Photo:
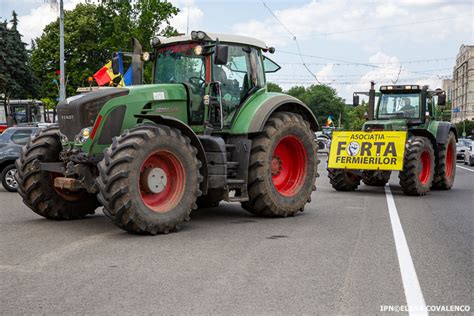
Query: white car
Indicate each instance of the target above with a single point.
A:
(469, 154)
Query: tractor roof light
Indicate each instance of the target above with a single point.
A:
(155, 41)
(198, 35)
(408, 87)
(146, 56)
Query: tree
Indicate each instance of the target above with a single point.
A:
(92, 34)
(355, 117)
(322, 100)
(16, 78)
(273, 87)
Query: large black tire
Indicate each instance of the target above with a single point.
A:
(283, 130)
(342, 180)
(445, 171)
(417, 175)
(129, 202)
(36, 186)
(9, 178)
(376, 178)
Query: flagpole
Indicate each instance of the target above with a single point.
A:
(62, 86)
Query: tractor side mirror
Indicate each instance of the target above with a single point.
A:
(221, 54)
(442, 99)
(116, 64)
(355, 100)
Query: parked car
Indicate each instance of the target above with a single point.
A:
(11, 141)
(461, 147)
(469, 154)
(322, 142)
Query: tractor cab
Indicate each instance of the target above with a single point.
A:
(400, 107)
(219, 73)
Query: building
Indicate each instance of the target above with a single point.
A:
(447, 86)
(463, 85)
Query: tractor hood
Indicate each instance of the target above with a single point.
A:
(385, 125)
(81, 111)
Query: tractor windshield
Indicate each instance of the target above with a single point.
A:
(179, 64)
(399, 106)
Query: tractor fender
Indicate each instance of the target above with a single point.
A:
(443, 131)
(185, 130)
(281, 102)
(425, 133)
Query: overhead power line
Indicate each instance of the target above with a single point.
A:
(294, 39)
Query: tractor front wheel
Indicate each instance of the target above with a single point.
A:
(446, 165)
(418, 166)
(283, 167)
(149, 179)
(342, 180)
(36, 186)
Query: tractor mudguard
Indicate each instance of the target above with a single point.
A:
(443, 130)
(255, 113)
(186, 130)
(281, 103)
(425, 133)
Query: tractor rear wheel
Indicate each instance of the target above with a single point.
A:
(446, 164)
(376, 178)
(283, 167)
(342, 180)
(149, 179)
(417, 175)
(36, 186)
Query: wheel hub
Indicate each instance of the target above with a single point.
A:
(276, 166)
(155, 180)
(10, 178)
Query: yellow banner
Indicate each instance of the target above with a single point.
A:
(382, 150)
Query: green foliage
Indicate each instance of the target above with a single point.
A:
(16, 78)
(467, 126)
(92, 34)
(355, 117)
(273, 87)
(322, 100)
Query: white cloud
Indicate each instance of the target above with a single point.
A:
(363, 22)
(31, 25)
(188, 9)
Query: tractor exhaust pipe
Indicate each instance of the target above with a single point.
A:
(137, 64)
(371, 105)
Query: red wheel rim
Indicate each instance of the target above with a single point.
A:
(289, 166)
(449, 160)
(164, 195)
(425, 172)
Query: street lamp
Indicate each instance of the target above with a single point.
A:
(62, 86)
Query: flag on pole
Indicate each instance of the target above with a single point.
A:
(105, 74)
(329, 121)
(127, 78)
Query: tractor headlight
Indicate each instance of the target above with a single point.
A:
(83, 136)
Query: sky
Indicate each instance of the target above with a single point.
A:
(342, 43)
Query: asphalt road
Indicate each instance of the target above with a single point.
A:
(339, 256)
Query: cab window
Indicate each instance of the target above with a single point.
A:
(242, 75)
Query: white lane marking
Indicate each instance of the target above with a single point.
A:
(411, 285)
(472, 170)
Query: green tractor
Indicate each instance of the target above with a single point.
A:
(206, 130)
(429, 161)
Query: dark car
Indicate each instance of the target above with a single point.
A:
(11, 141)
